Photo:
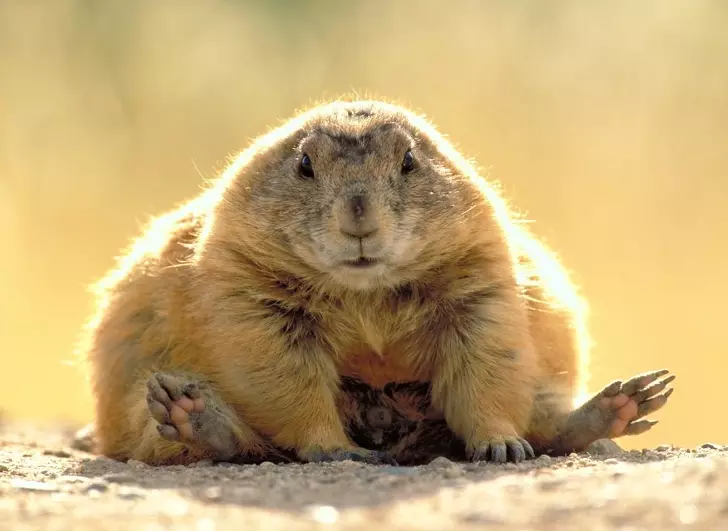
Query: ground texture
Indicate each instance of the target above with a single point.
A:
(46, 484)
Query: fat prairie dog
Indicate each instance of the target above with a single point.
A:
(354, 242)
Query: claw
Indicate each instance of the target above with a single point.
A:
(653, 404)
(636, 383)
(639, 426)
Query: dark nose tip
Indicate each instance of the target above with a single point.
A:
(360, 220)
(379, 418)
(358, 206)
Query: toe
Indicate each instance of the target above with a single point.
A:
(530, 454)
(623, 416)
(157, 392)
(158, 411)
(498, 452)
(191, 389)
(171, 384)
(638, 427)
(168, 432)
(178, 415)
(614, 402)
(612, 389)
(652, 389)
(636, 383)
(626, 409)
(480, 453)
(653, 404)
(199, 405)
(516, 451)
(186, 403)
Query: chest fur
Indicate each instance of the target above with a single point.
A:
(377, 369)
(380, 351)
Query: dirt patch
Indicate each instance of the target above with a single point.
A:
(45, 484)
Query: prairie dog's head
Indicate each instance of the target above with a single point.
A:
(360, 192)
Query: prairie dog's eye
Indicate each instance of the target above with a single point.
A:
(408, 163)
(306, 168)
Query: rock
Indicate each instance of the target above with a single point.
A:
(133, 463)
(33, 486)
(663, 448)
(605, 447)
(119, 478)
(72, 479)
(452, 472)
(213, 493)
(711, 446)
(441, 462)
(83, 439)
(97, 485)
(57, 453)
(130, 493)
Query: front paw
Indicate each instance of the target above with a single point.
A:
(353, 453)
(501, 449)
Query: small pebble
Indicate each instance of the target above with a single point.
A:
(213, 493)
(611, 461)
(543, 459)
(97, 485)
(267, 464)
(119, 477)
(72, 479)
(133, 463)
(33, 486)
(663, 448)
(711, 446)
(604, 447)
(453, 472)
(130, 493)
(57, 453)
(3, 468)
(441, 462)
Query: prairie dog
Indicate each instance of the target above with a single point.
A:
(354, 241)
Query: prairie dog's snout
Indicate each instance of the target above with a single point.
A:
(358, 216)
(379, 419)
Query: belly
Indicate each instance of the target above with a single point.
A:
(377, 370)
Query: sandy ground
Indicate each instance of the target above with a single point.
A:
(45, 484)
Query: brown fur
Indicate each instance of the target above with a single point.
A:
(240, 289)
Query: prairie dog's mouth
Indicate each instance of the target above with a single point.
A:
(362, 262)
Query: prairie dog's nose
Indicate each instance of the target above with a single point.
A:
(358, 218)
(379, 418)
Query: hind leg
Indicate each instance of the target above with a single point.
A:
(617, 410)
(183, 420)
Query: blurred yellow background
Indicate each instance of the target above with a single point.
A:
(606, 122)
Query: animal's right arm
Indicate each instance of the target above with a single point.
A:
(284, 378)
